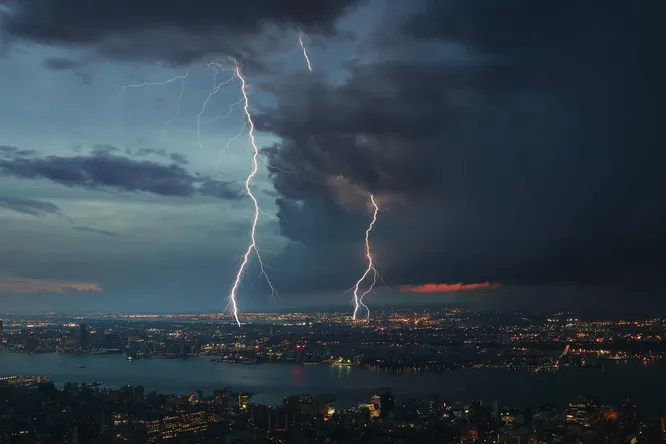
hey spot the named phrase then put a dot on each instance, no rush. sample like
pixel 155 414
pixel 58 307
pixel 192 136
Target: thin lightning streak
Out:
pixel 271 167
pixel 358 300
pixel 216 88
pixel 305 51
pixel 180 96
pixel 226 146
pixel 166 82
pixel 248 182
pixel 231 109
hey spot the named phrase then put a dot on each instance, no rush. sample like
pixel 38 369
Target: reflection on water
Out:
pixel 341 371
pixel 272 382
pixel 297 374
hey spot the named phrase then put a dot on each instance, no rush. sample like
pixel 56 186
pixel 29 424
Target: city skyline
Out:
pixel 515 155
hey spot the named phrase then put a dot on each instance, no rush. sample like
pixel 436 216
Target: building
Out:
pixel 177 425
pixel 323 405
pixel 434 405
pixel 371 407
pixel 196 397
pixel 244 400
pixel 268 417
pixel 2 330
pixel 224 397
pixel 84 337
pixel 386 404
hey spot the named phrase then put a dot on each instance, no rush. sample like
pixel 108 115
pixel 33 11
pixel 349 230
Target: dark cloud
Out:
pixel 537 158
pixel 172 30
pixel 176 158
pixel 30 206
pixel 67 64
pixel 95 231
pixel 104 171
pixel 9 151
pixel 60 64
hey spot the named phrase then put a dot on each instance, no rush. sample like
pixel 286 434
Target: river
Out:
pixel 271 382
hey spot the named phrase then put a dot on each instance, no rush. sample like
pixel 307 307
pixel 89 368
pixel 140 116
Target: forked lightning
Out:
pixel 358 299
pixel 248 188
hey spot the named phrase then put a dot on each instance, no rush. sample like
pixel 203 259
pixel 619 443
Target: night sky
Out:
pixel 516 149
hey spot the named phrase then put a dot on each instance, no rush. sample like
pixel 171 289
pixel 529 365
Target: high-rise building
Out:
pixel 244 400
pixel 386 404
pixel 371 407
pixel 225 397
pixel 84 337
pixel 434 404
pixel 196 397
pixel 2 330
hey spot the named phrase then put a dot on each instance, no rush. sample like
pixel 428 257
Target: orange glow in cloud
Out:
pixel 18 285
pixel 445 288
pixel 351 196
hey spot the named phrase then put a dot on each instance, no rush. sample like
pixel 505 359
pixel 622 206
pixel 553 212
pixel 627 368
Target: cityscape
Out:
pixel 402 342
pixel 81 413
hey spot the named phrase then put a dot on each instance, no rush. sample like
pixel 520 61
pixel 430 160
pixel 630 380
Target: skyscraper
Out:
pixel 386 404
pixel 84 342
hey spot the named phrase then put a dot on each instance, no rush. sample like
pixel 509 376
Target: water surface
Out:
pixel 272 382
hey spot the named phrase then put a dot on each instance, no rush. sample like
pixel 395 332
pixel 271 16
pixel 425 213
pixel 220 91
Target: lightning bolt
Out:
pixel 249 123
pixel 252 248
pixel 216 88
pixel 305 51
pixel 166 82
pixel 180 97
pixel 358 299
pixel 226 146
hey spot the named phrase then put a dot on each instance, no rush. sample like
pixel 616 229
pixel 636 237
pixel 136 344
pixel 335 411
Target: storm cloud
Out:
pixel 102 170
pixel 509 144
pixel 174 31
pixel 532 155
pixel 60 64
